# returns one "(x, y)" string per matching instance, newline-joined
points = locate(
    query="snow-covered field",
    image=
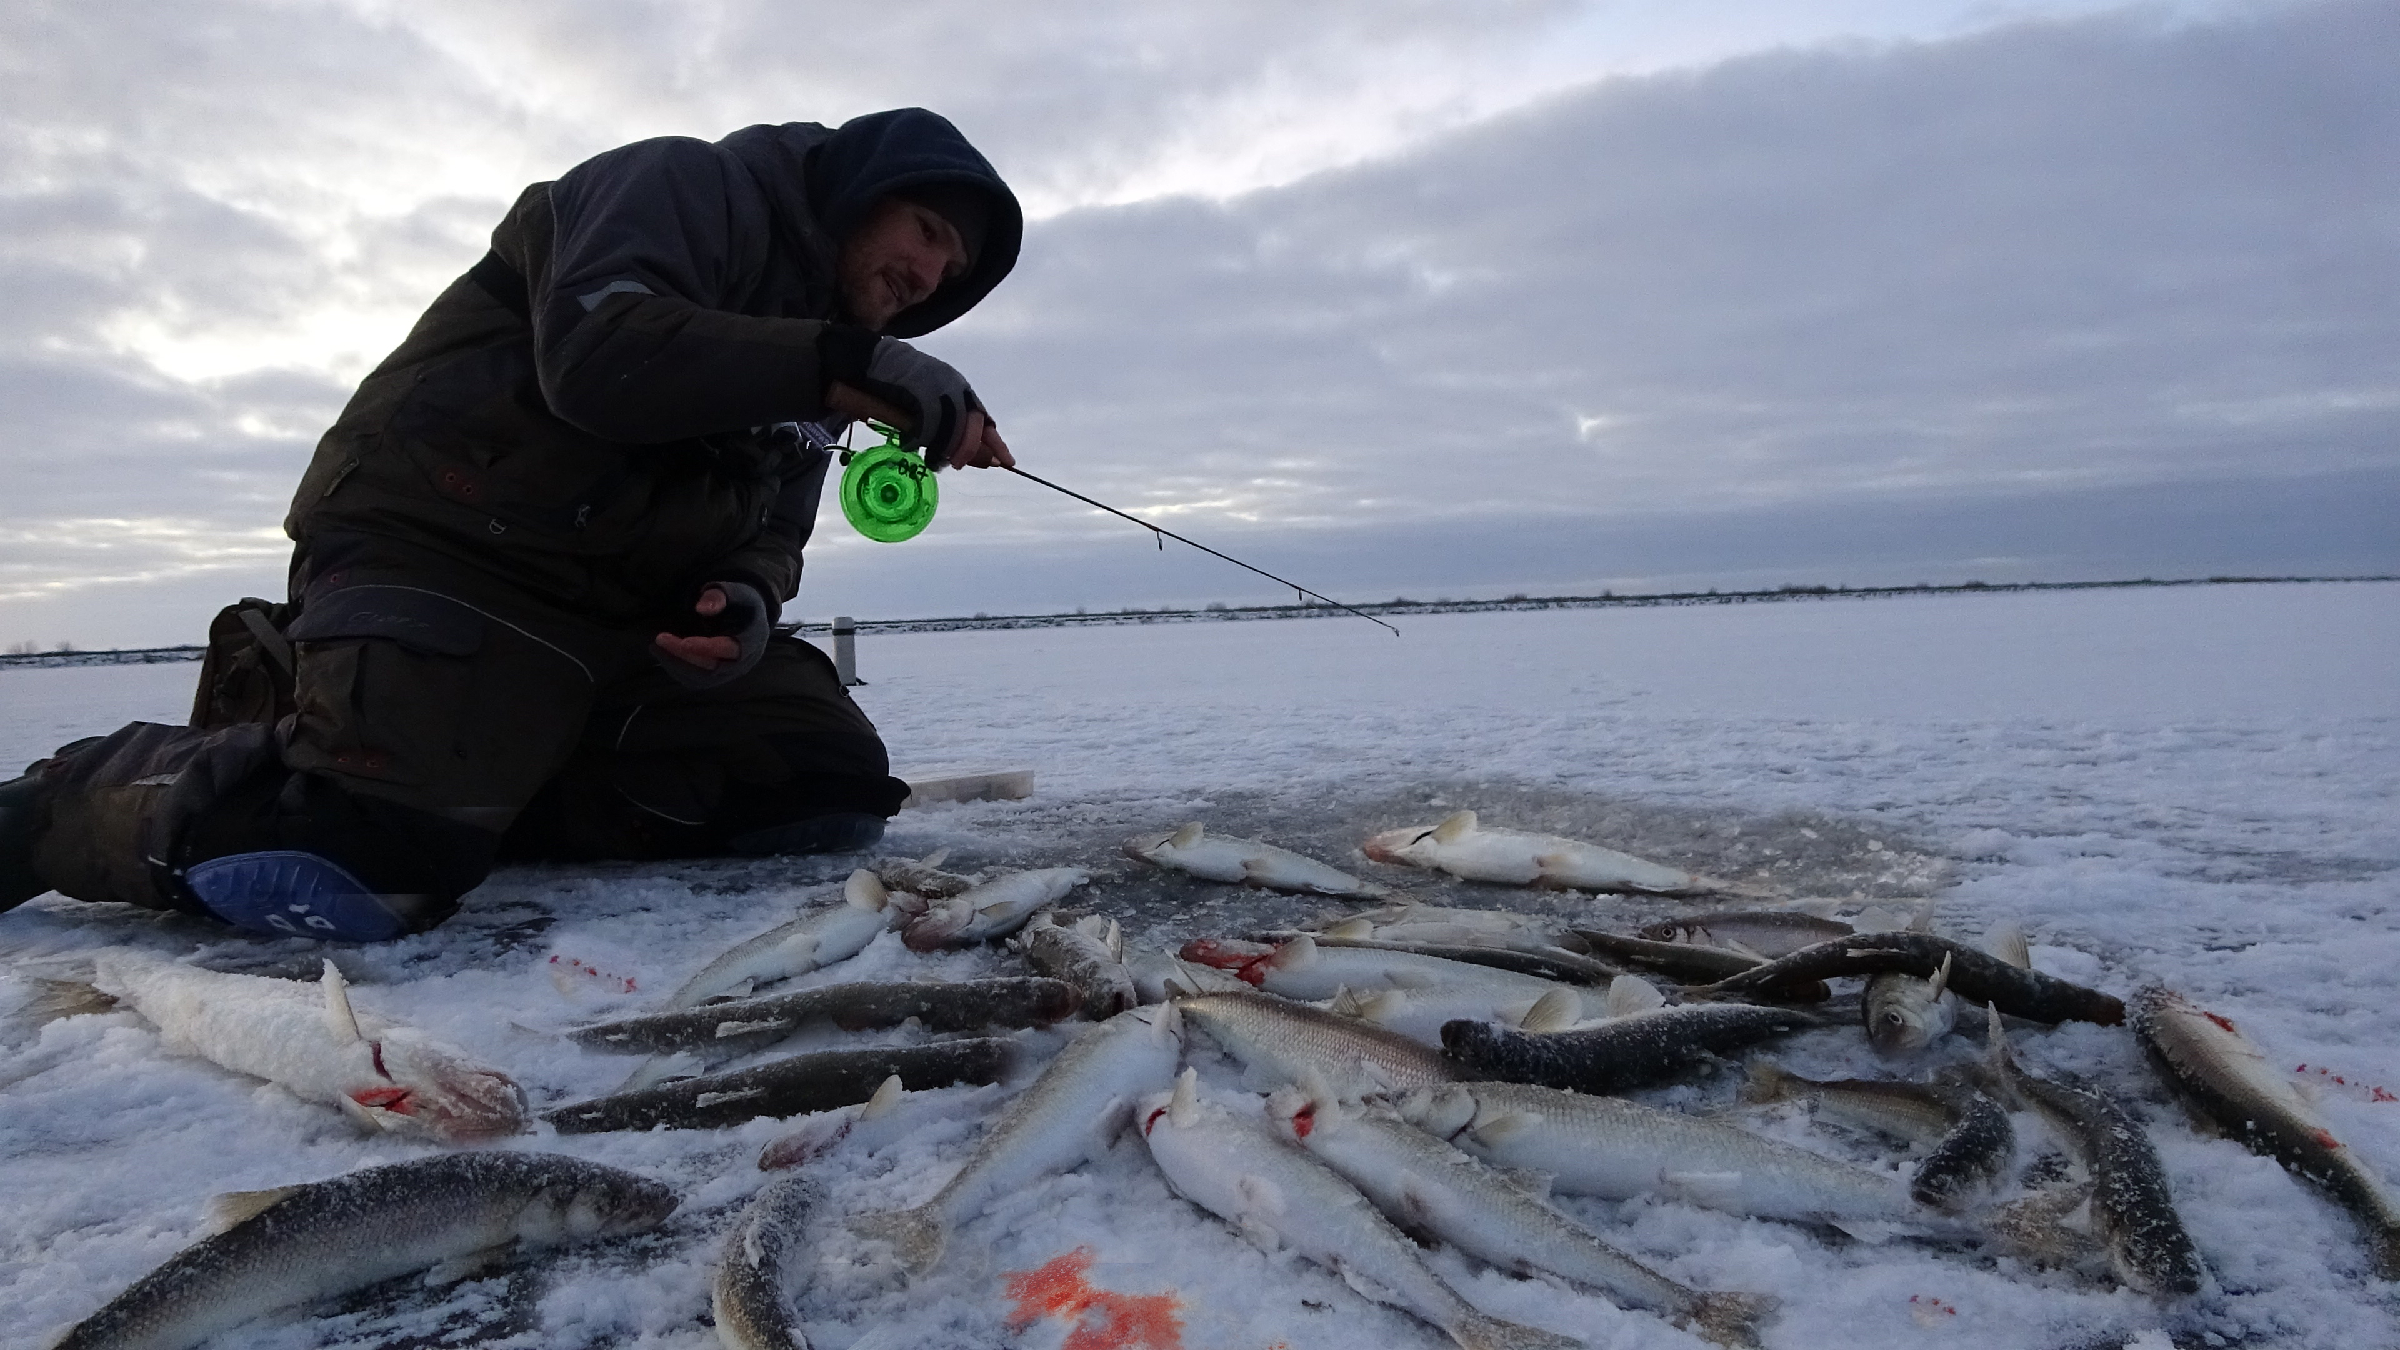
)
(2190, 786)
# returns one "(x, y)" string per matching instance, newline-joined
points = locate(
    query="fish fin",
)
(1183, 1109)
(1873, 1232)
(935, 858)
(1187, 836)
(917, 1236)
(1877, 919)
(1630, 994)
(54, 999)
(1295, 953)
(1527, 1180)
(1404, 978)
(1741, 948)
(1259, 1195)
(1107, 1123)
(339, 1019)
(1260, 1235)
(1346, 1002)
(1940, 983)
(459, 1268)
(1729, 1318)
(1383, 1006)
(1710, 1190)
(2008, 943)
(864, 890)
(886, 1099)
(1167, 1023)
(1920, 920)
(1351, 930)
(1765, 1081)
(1455, 828)
(1500, 1128)
(1479, 1331)
(234, 1208)
(1556, 1011)
(658, 1069)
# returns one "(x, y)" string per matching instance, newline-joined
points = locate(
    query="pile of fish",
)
(1391, 1078)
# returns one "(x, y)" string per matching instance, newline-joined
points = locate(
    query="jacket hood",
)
(843, 173)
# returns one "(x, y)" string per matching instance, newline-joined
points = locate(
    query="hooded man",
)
(540, 556)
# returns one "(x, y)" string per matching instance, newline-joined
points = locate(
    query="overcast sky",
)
(1406, 298)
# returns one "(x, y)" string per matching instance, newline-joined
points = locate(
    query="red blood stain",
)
(2374, 1092)
(1103, 1320)
(1245, 961)
(625, 983)
(1304, 1120)
(390, 1099)
(2225, 1022)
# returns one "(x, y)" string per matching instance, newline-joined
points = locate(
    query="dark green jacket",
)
(591, 415)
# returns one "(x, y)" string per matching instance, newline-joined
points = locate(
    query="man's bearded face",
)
(899, 255)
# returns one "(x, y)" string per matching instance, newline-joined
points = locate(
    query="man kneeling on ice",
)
(540, 557)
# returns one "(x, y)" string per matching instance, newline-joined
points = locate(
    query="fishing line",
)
(888, 494)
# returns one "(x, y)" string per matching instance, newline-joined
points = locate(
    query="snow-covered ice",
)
(2194, 786)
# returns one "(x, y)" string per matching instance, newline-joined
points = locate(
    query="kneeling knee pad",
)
(302, 895)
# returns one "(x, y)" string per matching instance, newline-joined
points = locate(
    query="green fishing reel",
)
(888, 493)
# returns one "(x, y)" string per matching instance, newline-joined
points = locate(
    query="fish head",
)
(416, 1085)
(1905, 1014)
(1400, 846)
(1246, 960)
(939, 926)
(598, 1204)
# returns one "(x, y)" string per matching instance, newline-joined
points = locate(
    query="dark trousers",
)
(429, 727)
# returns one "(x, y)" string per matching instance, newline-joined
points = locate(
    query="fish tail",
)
(54, 999)
(2383, 1242)
(1730, 1319)
(1478, 1332)
(917, 1235)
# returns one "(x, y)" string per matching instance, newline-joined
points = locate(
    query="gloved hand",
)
(723, 643)
(933, 394)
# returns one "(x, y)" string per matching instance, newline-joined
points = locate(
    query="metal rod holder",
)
(845, 650)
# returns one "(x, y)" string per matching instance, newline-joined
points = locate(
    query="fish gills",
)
(331, 1237)
(2228, 1079)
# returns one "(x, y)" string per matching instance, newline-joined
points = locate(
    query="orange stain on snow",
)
(1103, 1320)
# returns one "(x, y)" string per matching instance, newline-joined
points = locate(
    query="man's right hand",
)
(924, 398)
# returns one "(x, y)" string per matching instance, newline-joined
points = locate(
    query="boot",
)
(23, 803)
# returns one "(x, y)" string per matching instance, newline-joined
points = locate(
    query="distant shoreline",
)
(146, 656)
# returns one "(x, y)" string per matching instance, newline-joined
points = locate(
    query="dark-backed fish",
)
(818, 1081)
(723, 1030)
(1975, 976)
(1621, 1053)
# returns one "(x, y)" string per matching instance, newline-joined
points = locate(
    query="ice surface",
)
(2196, 786)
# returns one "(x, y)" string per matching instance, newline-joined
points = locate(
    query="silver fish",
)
(1280, 1042)
(923, 877)
(2228, 1079)
(1461, 847)
(747, 1298)
(1426, 1186)
(1274, 1192)
(1246, 862)
(1617, 1149)
(1071, 1112)
(1088, 955)
(308, 1039)
(1302, 968)
(715, 1032)
(817, 1081)
(816, 939)
(994, 909)
(299, 1244)
(1764, 933)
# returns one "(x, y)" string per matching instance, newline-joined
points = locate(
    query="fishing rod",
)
(889, 495)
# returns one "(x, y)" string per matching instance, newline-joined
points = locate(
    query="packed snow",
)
(2196, 787)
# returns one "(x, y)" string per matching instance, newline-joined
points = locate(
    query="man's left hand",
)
(705, 652)
(741, 619)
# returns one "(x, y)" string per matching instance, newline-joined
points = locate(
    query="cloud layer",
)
(2136, 267)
